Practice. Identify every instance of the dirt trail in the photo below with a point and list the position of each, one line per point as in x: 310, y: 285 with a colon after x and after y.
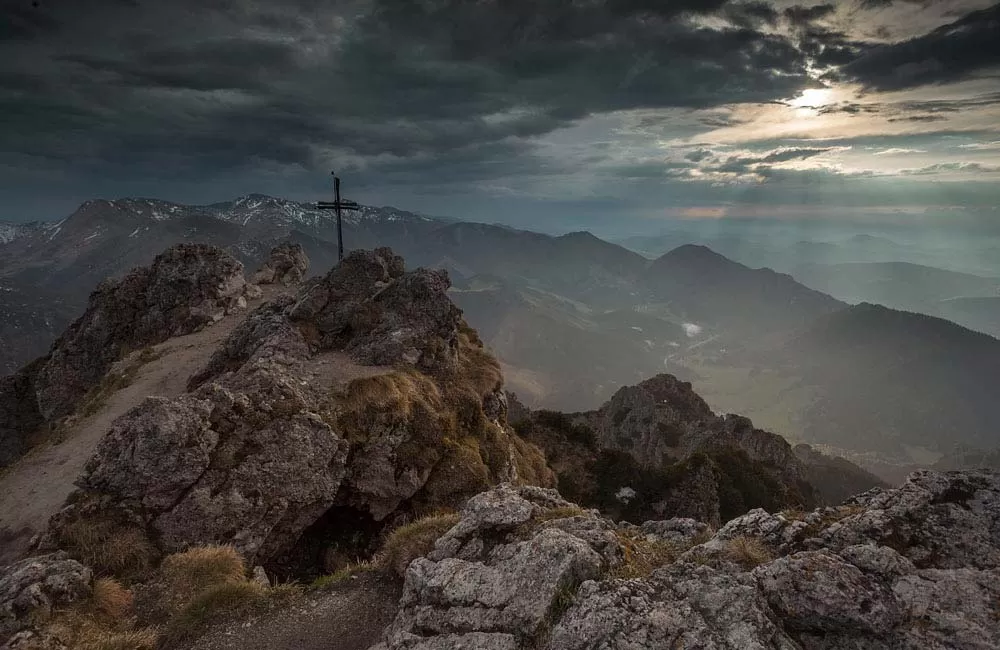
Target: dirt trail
x: 34, y: 488
x: 347, y: 616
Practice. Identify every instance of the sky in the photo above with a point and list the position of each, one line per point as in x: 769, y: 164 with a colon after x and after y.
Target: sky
x: 612, y: 115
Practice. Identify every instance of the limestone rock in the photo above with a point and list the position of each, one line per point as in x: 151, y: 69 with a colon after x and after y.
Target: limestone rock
x: 684, y: 606
x: 819, y: 592
x: 871, y: 594
x: 495, y: 575
x: 287, y: 264
x: 367, y: 306
x: 253, y: 455
x: 246, y: 465
x: 938, y: 520
x: 31, y: 588
x: 186, y: 288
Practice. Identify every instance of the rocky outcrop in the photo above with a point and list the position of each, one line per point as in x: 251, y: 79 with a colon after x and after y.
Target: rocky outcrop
x: 32, y: 588
x: 254, y: 454
x: 186, y: 288
x: 380, y: 315
x: 287, y: 265
x: 496, y: 577
x: 914, y: 567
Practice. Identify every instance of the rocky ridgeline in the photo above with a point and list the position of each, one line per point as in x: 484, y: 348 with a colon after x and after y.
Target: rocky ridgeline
x: 363, y: 396
x: 185, y: 289
x: 914, y: 567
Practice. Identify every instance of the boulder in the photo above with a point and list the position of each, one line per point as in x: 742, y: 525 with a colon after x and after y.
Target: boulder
x: 31, y: 588
x: 494, y: 579
x: 286, y: 265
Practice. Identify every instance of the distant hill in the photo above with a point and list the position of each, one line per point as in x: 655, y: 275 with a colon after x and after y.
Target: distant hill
x: 979, y: 314
x: 900, y: 285
x: 709, y: 288
x: 884, y: 379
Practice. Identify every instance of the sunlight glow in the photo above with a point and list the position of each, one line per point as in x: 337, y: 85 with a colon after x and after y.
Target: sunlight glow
x: 812, y: 98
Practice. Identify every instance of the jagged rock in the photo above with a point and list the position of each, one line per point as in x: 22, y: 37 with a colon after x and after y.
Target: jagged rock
x: 683, y: 607
x: 253, y: 454
x: 819, y: 592
x: 367, y: 306
x: 662, y: 421
x: 186, y: 288
x: 245, y: 465
x: 867, y: 595
x: 680, y: 531
x: 31, y: 588
x: 484, y: 579
x: 287, y: 264
x: 938, y: 520
x: 650, y: 420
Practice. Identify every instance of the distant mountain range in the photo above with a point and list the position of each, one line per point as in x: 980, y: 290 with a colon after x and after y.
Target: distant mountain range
x: 572, y: 318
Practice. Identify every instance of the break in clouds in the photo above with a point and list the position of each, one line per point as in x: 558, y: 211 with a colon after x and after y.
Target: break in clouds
x: 559, y: 113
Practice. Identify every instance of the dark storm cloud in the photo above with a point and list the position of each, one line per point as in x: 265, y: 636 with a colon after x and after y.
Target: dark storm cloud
x: 950, y: 53
x: 227, y: 83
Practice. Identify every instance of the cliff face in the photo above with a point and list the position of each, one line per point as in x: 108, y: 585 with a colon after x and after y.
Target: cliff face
x: 363, y: 398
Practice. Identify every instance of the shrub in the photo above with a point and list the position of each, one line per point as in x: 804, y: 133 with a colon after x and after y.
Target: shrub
x: 414, y: 540
x: 748, y: 552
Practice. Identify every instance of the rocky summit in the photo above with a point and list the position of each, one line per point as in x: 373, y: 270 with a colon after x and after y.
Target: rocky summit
x: 327, y: 452
x: 363, y: 397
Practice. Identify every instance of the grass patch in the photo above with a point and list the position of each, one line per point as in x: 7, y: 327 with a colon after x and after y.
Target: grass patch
x: 413, y: 540
x: 111, y: 549
x: 348, y: 571
x: 642, y: 555
x: 188, y: 573
x: 748, y: 552
x: 111, y: 599
x: 142, y: 639
x: 230, y: 598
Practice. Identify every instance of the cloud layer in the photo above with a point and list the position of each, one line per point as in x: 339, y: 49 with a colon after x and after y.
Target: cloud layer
x: 470, y: 107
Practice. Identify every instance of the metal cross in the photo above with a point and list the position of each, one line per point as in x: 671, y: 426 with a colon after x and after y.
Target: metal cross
x: 338, y: 205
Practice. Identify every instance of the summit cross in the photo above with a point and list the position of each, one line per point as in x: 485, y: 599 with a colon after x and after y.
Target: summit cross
x: 338, y: 205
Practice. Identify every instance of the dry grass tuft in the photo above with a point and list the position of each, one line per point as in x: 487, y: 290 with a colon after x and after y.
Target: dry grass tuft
x: 748, y: 552
x: 642, y: 556
x: 396, y: 391
x: 227, y: 598
x: 200, y: 568
x: 142, y: 639
x: 111, y: 599
x: 348, y: 571
x: 414, y: 540
x: 109, y: 548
